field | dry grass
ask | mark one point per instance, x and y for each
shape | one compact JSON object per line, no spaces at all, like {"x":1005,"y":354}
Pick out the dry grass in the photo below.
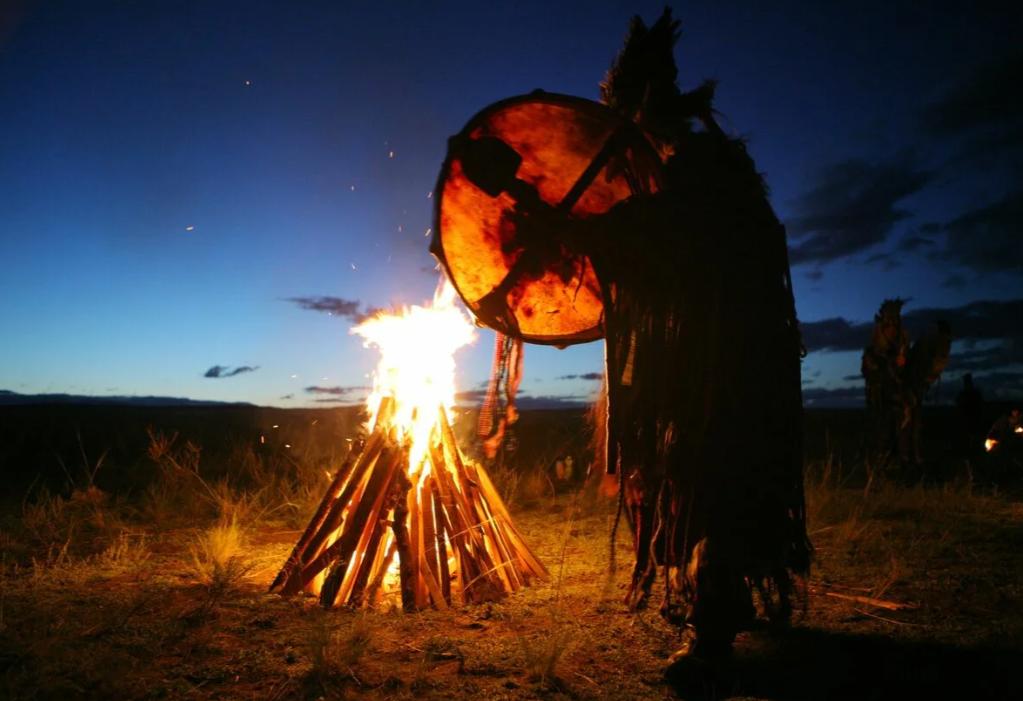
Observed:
{"x":164,"y":596}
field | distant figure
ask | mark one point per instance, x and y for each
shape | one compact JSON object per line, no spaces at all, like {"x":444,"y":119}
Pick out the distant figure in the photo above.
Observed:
{"x":897,"y":378}
{"x":971,"y":414}
{"x":927,"y":360}
{"x":882,"y":367}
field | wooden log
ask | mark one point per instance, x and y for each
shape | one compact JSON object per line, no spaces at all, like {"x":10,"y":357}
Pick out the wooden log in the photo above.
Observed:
{"x":395,"y":464}
{"x":401,"y":540}
{"x":317,"y":520}
{"x":886,"y":604}
{"x":369,"y":559}
{"x":343,"y":548}
{"x":442,"y":549}
{"x":296,"y":579}
{"x":381,"y":571}
{"x":428,"y":547}
{"x":452,"y":525}
{"x":501,"y":511}
{"x":491,"y":574}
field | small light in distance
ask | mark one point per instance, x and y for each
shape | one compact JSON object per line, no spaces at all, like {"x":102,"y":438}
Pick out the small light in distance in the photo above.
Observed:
{"x":189,"y":228}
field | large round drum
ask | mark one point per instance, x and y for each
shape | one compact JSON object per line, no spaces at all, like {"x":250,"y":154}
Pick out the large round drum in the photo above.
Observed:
{"x":516,"y":158}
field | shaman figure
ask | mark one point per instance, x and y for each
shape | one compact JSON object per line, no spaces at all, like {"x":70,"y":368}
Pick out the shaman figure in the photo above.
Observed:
{"x":686,"y":270}
{"x":702,"y":355}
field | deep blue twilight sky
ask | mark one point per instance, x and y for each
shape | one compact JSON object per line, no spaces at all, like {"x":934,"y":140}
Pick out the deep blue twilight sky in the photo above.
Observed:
{"x":174,"y":174}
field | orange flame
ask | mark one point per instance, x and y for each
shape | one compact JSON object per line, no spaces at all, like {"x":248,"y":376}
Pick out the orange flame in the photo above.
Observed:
{"x":417,"y":366}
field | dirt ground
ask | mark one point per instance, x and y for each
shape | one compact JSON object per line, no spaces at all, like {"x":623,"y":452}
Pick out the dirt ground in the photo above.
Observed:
{"x":138,"y":625}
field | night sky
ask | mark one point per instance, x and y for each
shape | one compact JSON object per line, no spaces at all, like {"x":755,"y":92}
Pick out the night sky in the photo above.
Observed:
{"x":197,"y":198}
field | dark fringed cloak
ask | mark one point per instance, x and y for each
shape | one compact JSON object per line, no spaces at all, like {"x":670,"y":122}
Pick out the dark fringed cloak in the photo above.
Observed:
{"x":703,"y":349}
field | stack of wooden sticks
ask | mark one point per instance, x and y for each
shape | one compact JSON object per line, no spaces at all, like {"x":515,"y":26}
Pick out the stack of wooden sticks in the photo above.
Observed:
{"x":438,"y":529}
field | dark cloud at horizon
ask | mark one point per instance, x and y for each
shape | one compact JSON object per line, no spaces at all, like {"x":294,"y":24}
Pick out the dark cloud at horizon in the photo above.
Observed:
{"x":591,"y":376}
{"x":336,"y":390}
{"x":852,"y":207}
{"x":984,"y":320}
{"x":527,"y":401}
{"x":221,"y":371}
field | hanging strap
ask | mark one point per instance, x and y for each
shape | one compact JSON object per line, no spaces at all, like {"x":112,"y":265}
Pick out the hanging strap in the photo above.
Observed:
{"x":498,"y":410}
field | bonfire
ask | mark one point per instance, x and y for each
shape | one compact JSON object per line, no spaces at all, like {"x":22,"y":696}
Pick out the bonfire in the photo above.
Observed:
{"x":408,"y":515}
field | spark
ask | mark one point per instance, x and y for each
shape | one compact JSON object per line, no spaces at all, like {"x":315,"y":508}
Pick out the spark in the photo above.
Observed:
{"x":353,"y":266}
{"x":294,"y":377}
{"x":248,"y":82}
{"x":429,"y":195}
{"x":428,"y":231}
{"x":353,"y":188}
{"x":390,"y":154}
{"x":189,"y":228}
{"x":287,"y":445}
{"x":275,"y":426}
{"x":399,"y":228}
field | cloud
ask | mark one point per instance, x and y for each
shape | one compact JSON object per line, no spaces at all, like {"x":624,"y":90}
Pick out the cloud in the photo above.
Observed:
{"x":526,"y":401}
{"x":887,"y":261}
{"x":988,"y":338}
{"x":593,"y":376}
{"x":1002,"y":385}
{"x":336,"y":306}
{"x":835,"y":334}
{"x":220,"y":371}
{"x":989,"y":97}
{"x":914,"y":243}
{"x":336,"y":390}
{"x":954,"y":282}
{"x":988,"y":239}
{"x":989,"y":357}
{"x":471,"y":396}
{"x":852,"y":207}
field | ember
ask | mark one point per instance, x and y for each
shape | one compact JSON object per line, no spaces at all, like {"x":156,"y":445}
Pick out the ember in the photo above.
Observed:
{"x":407,"y":512}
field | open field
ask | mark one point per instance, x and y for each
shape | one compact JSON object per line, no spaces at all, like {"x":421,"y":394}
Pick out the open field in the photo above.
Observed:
{"x":136,"y":567}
